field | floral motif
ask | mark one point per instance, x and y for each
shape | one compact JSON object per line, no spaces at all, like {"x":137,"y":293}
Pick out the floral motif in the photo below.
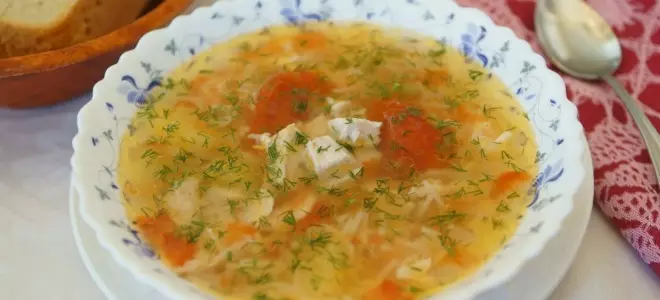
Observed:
{"x":134,"y":93}
{"x":134,"y":241}
{"x":193,"y":43}
{"x":498,"y":58}
{"x":470,"y":43}
{"x":551,"y":173}
{"x":527,"y":89}
{"x":292,"y":12}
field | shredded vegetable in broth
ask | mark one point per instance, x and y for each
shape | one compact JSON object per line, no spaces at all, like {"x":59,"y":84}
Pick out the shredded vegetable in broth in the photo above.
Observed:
{"x":328,"y":161}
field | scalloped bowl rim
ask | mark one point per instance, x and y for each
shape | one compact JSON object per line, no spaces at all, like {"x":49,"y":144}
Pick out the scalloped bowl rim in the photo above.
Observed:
{"x":504,"y":275}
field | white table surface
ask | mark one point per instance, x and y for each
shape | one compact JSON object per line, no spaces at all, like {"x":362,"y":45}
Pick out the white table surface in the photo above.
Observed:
{"x":39,"y":260}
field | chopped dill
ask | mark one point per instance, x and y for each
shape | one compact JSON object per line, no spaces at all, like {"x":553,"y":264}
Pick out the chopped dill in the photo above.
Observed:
{"x":149,"y":155}
{"x":503,"y":207}
{"x":344,"y":145}
{"x":308,"y":180}
{"x":448,"y":243}
{"x":289,"y":147}
{"x":300,"y":106}
{"x":446,"y":218}
{"x":300,"y":139}
{"x":497,"y":223}
{"x":320,"y":239}
{"x":263,"y":223}
{"x":357,"y":175}
{"x":506,"y":156}
{"x":289,"y":218}
{"x":322,"y":149}
{"x":442,"y":124}
{"x":273,"y":153}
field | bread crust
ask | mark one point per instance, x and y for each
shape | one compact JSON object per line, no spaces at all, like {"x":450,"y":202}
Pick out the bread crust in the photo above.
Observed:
{"x":85,"y":20}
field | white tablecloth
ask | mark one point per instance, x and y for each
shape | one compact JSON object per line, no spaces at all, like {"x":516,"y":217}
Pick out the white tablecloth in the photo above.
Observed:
{"x":39,"y":260}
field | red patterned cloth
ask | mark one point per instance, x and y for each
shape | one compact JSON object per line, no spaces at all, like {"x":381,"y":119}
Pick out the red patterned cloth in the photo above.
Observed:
{"x":626,"y":186}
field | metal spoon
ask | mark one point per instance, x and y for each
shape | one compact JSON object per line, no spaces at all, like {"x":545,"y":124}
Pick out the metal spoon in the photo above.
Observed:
{"x":580,"y":43}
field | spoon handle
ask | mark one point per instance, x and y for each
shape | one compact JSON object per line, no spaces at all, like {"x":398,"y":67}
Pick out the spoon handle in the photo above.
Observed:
{"x":649,"y":133}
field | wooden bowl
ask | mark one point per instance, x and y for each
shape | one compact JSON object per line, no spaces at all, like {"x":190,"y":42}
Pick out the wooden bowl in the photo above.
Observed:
{"x":50,"y":77}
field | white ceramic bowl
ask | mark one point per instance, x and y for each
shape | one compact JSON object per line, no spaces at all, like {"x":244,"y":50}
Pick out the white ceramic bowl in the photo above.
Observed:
{"x":116,"y":98}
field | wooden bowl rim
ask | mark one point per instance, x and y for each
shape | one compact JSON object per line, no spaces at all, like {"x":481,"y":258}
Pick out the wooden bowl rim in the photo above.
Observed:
{"x":115,"y":40}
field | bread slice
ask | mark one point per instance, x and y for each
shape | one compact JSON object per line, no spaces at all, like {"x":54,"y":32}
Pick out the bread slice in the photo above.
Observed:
{"x":31,"y":26}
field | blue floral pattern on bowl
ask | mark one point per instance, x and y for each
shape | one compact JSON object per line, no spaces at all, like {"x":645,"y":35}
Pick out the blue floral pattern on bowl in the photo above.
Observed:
{"x":470,"y":43}
{"x":126,"y":87}
{"x":135,"y":93}
{"x":293,"y":14}
{"x":134,"y":241}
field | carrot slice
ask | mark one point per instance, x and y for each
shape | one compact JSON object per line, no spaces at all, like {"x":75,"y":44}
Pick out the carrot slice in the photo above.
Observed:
{"x":309,"y":40}
{"x":161,"y":234}
{"x":376,"y":239}
{"x":318,"y":215}
{"x":237,"y":231}
{"x":467,"y":112}
{"x":508,"y":181}
{"x":435,"y":78}
{"x":311,"y":219}
{"x":387,"y":290}
{"x":372,"y":168}
{"x":407,"y":139}
{"x":283,"y":99}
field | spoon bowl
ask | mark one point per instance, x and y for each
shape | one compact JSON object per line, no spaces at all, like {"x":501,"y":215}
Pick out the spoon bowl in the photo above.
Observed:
{"x":579,"y":42}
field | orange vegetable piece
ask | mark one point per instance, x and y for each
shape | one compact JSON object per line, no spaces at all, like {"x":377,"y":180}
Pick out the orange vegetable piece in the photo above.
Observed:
{"x":407,"y":139}
{"x":372,"y":239}
{"x":387,"y":290}
{"x":283,"y":99}
{"x":311,"y":219}
{"x":507,"y":181}
{"x":464,"y":258}
{"x":161,"y":234}
{"x":309,"y":40}
{"x":315,"y":217}
{"x":272,"y":46}
{"x":435,"y":78}
{"x":468,"y":112}
{"x":376,"y":239}
{"x":203,"y":87}
{"x":237,"y":231}
{"x":199,"y":81}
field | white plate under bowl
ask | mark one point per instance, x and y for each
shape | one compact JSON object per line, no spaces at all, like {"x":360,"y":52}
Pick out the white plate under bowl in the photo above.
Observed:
{"x":535,"y":281}
{"x":541,"y":92}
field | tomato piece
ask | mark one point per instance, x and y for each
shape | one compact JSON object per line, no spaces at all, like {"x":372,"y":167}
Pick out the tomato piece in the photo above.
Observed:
{"x":283,"y":99}
{"x":160,"y":231}
{"x":407,"y":139}
{"x":507,"y":181}
{"x":387,"y":290}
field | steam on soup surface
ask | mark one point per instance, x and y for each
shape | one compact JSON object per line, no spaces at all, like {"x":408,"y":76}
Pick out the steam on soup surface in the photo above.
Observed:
{"x":329,"y":161}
